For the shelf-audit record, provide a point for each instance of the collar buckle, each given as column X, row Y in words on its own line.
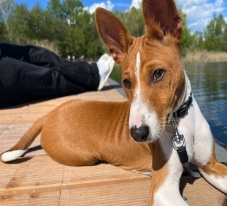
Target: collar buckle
column 183, row 110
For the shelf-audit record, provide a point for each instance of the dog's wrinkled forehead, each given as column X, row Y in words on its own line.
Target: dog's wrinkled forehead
column 151, row 51
column 131, row 56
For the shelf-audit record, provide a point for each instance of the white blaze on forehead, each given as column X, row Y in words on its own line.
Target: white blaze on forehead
column 135, row 113
column 138, row 63
column 137, row 73
column 140, row 113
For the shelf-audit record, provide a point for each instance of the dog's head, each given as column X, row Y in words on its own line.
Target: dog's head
column 152, row 72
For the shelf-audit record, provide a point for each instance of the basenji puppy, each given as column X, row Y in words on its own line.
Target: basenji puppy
column 84, row 132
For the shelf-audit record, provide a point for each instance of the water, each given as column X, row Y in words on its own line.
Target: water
column 209, row 87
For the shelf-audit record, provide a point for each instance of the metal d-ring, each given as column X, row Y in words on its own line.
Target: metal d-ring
column 177, row 138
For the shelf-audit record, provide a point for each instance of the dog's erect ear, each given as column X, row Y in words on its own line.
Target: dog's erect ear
column 162, row 19
column 113, row 33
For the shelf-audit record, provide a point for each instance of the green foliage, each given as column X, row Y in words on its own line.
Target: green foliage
column 78, row 35
column 36, row 23
column 187, row 39
column 133, row 20
column 18, row 23
column 6, row 10
column 215, row 34
column 66, row 24
column 54, row 8
column 2, row 32
column 198, row 41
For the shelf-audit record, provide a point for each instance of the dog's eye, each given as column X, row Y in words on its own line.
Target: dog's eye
column 127, row 84
column 158, row 74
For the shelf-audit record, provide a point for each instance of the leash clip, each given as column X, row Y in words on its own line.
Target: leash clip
column 178, row 139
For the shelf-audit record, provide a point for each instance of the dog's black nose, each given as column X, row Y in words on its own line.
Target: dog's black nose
column 140, row 134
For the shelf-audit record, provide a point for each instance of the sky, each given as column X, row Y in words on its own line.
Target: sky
column 199, row 12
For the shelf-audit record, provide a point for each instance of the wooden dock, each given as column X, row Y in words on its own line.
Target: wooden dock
column 35, row 179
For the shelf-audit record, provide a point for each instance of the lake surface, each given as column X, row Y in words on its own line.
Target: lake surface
column 209, row 87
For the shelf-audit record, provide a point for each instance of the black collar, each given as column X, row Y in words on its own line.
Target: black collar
column 183, row 110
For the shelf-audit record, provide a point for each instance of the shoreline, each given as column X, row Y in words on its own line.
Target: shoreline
column 204, row 57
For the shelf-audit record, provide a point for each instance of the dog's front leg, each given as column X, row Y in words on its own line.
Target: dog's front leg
column 166, row 173
column 204, row 154
column 215, row 172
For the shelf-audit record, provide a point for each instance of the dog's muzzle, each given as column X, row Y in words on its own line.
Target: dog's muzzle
column 140, row 134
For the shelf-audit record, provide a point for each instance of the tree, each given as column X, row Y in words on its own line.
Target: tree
column 215, row 34
column 71, row 17
column 72, row 28
column 73, row 41
column 133, row 20
column 36, row 20
column 224, row 40
column 69, row 8
column 2, row 32
column 6, row 9
column 187, row 39
column 54, row 8
column 81, row 37
column 18, row 23
column 93, row 45
column 64, row 10
column 199, row 41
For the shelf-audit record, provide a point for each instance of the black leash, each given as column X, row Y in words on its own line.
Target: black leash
column 178, row 140
column 179, row 145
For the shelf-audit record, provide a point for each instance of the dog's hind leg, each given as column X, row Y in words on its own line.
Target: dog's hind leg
column 215, row 172
column 20, row 148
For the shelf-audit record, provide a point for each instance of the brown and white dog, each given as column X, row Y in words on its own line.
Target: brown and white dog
column 84, row 132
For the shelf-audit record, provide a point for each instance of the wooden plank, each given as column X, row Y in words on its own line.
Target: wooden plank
column 71, row 185
column 41, row 181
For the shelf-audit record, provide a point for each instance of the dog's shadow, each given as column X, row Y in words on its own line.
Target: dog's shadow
column 36, row 148
column 191, row 180
column 19, row 161
column 111, row 87
column 187, row 179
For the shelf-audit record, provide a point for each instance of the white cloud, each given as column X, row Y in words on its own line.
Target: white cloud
column 136, row 4
column 199, row 12
column 108, row 5
column 122, row 5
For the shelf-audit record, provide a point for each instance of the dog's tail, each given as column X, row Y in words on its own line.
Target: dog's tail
column 22, row 145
